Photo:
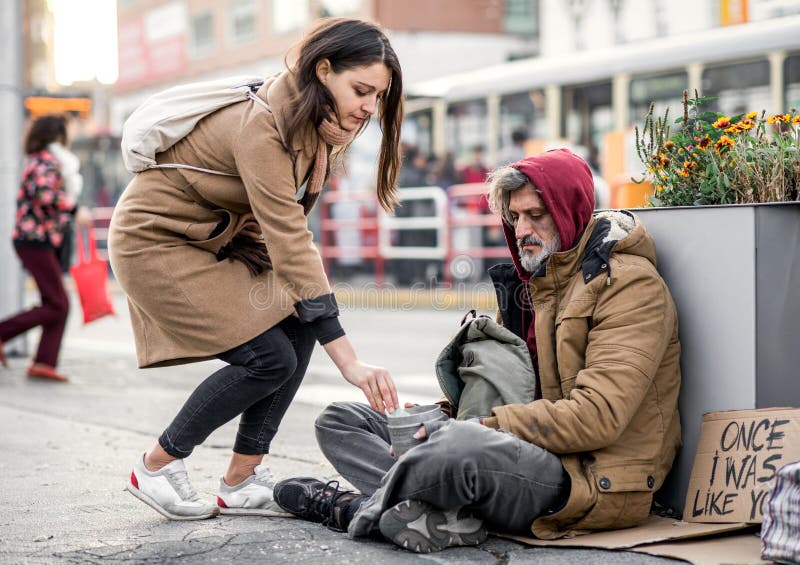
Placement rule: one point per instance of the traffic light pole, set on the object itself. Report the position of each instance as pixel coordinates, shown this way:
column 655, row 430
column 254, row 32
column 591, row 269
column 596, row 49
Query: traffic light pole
column 11, row 117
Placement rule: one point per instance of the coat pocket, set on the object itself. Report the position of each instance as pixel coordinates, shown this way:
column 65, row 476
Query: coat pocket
column 572, row 337
column 624, row 477
column 624, row 495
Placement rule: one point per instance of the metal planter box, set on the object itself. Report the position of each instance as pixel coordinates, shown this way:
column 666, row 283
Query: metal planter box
column 734, row 273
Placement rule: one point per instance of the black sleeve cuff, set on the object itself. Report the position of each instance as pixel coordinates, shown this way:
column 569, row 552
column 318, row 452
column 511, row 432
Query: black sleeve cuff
column 322, row 314
column 312, row 309
column 327, row 329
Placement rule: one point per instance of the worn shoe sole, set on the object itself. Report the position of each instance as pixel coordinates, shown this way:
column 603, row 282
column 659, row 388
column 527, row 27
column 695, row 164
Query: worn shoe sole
column 164, row 512
column 226, row 511
column 419, row 527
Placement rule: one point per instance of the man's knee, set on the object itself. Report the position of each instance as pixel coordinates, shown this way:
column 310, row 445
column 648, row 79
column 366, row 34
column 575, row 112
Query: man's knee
column 457, row 444
column 336, row 415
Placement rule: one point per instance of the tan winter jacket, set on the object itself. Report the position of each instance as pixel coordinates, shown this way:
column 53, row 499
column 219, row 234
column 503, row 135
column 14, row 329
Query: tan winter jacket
column 186, row 305
column 608, row 353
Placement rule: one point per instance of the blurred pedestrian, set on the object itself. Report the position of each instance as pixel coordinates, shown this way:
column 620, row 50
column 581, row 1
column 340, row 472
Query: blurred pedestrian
column 443, row 171
column 475, row 170
column 414, row 172
column 516, row 151
column 73, row 186
column 225, row 267
column 46, row 202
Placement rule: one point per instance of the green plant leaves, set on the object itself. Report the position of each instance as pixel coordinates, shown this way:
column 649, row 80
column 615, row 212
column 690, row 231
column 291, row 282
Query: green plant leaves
column 745, row 158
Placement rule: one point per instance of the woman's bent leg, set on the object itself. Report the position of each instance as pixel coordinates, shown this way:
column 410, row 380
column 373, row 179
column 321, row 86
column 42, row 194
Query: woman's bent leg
column 260, row 421
column 256, row 370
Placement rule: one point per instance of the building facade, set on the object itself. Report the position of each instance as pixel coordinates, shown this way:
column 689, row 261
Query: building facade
column 601, row 64
column 165, row 42
column 38, row 32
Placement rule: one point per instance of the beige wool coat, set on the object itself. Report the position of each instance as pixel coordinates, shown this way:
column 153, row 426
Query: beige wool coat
column 185, row 304
column 609, row 370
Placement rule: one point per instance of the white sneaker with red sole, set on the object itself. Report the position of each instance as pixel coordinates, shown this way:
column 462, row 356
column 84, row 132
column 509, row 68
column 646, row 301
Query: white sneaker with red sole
column 169, row 492
column 252, row 497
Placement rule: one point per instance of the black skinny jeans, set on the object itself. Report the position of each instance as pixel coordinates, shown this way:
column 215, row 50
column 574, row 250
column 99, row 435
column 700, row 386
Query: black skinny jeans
column 259, row 383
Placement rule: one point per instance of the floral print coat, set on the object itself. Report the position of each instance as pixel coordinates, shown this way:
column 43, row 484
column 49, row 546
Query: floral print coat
column 43, row 206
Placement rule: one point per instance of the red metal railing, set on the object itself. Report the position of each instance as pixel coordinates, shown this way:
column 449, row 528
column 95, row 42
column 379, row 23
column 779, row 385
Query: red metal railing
column 469, row 210
column 465, row 210
column 366, row 223
column 102, row 219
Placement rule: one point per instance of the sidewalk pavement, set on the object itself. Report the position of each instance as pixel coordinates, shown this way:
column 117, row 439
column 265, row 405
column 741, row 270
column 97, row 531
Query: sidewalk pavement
column 67, row 451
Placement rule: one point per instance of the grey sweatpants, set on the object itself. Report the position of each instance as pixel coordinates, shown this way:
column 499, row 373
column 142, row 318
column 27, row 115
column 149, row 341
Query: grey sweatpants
column 504, row 480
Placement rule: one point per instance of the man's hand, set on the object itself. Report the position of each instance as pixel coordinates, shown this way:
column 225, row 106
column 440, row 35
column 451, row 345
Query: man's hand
column 417, row 435
column 421, row 434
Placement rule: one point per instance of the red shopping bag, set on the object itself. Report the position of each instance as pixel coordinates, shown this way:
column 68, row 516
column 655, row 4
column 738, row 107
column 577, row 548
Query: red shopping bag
column 91, row 279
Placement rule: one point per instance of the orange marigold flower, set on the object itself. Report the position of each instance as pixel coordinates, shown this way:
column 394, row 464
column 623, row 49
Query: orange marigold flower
column 722, row 122
column 779, row 118
column 733, row 129
column 683, row 173
column 724, row 143
column 663, row 161
column 670, row 145
column 746, row 124
column 690, row 165
column 704, row 143
column 796, row 120
column 751, row 116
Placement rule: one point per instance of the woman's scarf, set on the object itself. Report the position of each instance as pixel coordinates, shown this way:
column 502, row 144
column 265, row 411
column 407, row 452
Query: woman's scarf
column 250, row 250
column 330, row 133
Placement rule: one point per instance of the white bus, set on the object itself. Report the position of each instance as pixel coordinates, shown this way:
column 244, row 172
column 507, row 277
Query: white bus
column 592, row 99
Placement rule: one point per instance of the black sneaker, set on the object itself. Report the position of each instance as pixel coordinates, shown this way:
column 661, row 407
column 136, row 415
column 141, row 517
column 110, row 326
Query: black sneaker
column 313, row 500
column 419, row 527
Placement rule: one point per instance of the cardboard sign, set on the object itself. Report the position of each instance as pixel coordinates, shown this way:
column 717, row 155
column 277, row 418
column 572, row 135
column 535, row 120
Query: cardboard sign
column 738, row 453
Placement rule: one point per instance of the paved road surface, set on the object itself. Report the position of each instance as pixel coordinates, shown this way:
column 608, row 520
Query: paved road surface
column 66, row 450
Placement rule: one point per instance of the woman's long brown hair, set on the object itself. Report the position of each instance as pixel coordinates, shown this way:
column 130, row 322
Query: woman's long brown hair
column 348, row 43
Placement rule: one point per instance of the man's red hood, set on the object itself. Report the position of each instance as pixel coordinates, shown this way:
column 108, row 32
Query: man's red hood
column 565, row 184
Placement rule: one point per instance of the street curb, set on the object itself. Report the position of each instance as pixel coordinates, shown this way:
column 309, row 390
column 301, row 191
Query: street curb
column 460, row 297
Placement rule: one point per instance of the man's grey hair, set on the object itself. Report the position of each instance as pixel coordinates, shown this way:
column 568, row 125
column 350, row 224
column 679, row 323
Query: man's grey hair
column 502, row 182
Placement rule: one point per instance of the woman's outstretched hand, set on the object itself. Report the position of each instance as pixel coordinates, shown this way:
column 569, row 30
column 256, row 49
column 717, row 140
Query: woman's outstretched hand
column 376, row 384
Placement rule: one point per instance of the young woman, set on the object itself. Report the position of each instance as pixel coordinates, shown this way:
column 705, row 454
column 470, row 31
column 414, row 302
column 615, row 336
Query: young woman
column 46, row 201
column 225, row 267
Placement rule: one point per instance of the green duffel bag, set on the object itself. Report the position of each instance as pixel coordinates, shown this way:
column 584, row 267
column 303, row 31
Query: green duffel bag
column 485, row 365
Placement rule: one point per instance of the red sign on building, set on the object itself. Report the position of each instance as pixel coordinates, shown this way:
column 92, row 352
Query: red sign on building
column 152, row 47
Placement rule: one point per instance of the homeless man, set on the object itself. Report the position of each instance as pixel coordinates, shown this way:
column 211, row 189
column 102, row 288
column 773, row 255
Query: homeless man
column 601, row 434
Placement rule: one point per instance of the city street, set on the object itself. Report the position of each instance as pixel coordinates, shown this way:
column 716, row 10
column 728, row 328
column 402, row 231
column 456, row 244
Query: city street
column 638, row 161
column 67, row 451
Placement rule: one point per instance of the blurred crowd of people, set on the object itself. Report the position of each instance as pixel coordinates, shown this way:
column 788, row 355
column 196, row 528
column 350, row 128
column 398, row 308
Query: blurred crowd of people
column 420, row 169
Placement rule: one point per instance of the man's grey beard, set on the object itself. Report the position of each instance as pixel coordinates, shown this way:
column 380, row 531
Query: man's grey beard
column 531, row 262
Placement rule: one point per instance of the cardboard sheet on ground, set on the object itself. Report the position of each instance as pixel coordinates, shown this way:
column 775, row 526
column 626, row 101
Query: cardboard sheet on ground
column 654, row 530
column 736, row 548
column 737, row 455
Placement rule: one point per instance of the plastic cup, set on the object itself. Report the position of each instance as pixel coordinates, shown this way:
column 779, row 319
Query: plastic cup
column 404, row 423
